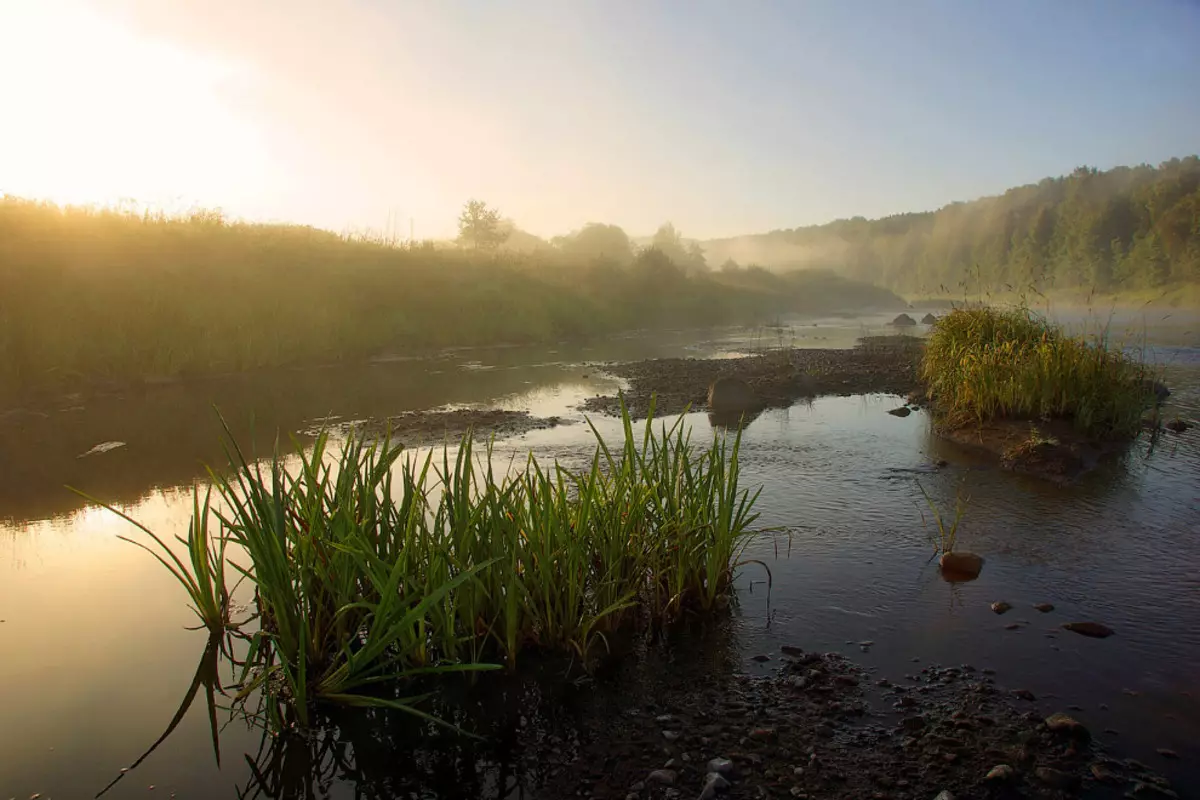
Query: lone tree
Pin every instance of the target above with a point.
(480, 228)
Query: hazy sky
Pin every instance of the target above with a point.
(724, 117)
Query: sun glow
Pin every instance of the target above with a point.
(94, 113)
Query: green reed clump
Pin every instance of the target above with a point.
(203, 574)
(987, 363)
(368, 566)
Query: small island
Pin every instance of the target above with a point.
(1046, 403)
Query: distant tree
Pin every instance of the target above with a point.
(597, 241)
(668, 242)
(656, 269)
(480, 227)
(730, 266)
(695, 261)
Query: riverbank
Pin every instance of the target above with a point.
(820, 726)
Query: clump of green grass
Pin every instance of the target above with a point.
(369, 566)
(947, 526)
(986, 363)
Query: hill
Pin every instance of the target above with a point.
(1124, 229)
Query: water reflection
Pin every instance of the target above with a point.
(95, 655)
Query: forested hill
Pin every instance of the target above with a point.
(1121, 229)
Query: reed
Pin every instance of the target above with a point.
(370, 565)
(986, 363)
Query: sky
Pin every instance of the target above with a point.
(722, 117)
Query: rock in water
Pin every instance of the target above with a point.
(1000, 606)
(961, 566)
(904, 321)
(902, 411)
(1045, 608)
(1178, 425)
(1061, 723)
(929, 319)
(1092, 629)
(731, 395)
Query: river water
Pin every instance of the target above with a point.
(94, 657)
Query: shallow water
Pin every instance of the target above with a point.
(95, 657)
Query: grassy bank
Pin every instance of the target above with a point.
(988, 363)
(88, 295)
(369, 566)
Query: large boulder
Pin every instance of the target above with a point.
(731, 396)
(904, 321)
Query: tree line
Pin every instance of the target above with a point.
(1118, 229)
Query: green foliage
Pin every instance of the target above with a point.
(369, 567)
(1124, 229)
(203, 575)
(87, 295)
(597, 242)
(984, 363)
(480, 227)
(947, 528)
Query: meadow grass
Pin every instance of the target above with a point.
(370, 565)
(986, 363)
(92, 295)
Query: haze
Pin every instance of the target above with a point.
(725, 118)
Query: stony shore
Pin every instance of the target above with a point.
(779, 378)
(821, 727)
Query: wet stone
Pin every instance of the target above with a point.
(661, 777)
(1094, 630)
(1061, 723)
(720, 766)
(1055, 778)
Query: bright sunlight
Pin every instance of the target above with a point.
(104, 115)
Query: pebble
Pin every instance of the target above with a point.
(1000, 606)
(1001, 773)
(1061, 723)
(1056, 779)
(1103, 774)
(714, 783)
(1094, 630)
(720, 766)
(1045, 608)
(762, 734)
(661, 777)
(944, 794)
(670, 736)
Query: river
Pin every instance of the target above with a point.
(94, 657)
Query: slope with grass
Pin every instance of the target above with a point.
(91, 295)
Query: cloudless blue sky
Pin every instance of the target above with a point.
(724, 117)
